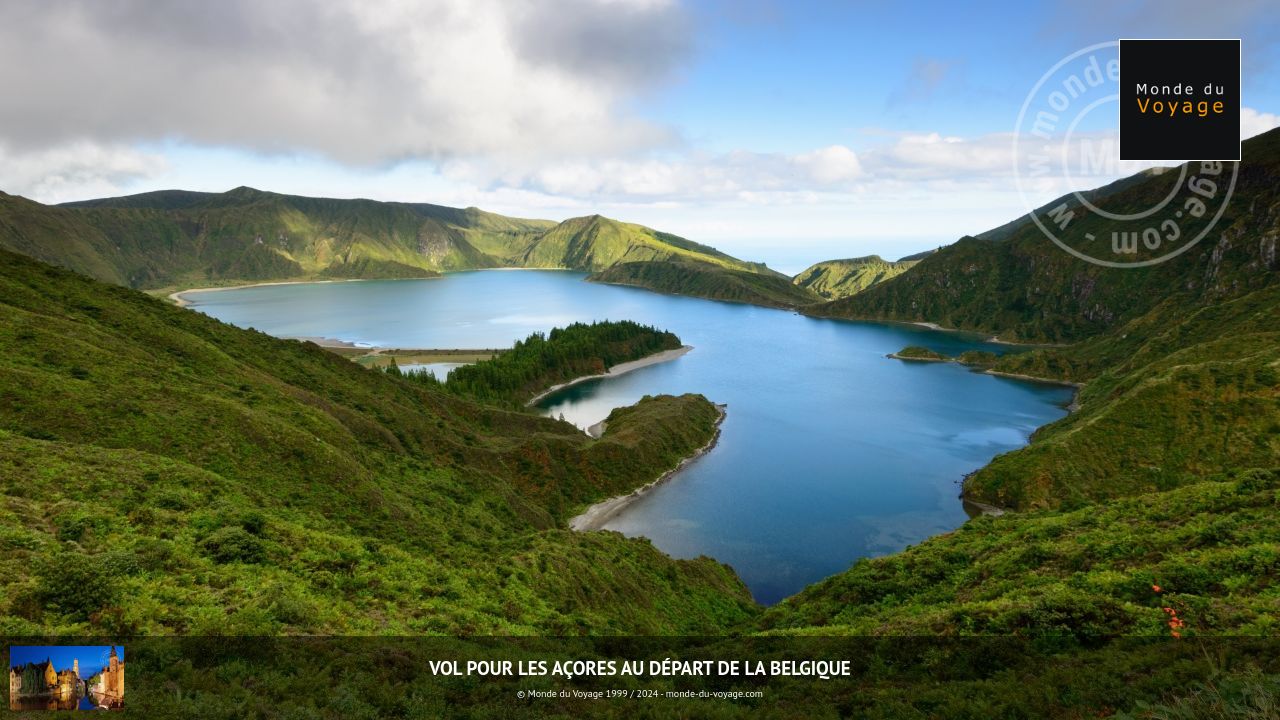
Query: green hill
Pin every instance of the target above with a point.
(179, 238)
(1172, 397)
(1025, 288)
(595, 243)
(832, 279)
(166, 473)
(1179, 360)
(1074, 574)
(712, 281)
(1181, 398)
(1155, 497)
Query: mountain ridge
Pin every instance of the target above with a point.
(179, 238)
(1013, 282)
(833, 279)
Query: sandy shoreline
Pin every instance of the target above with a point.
(1073, 406)
(180, 301)
(327, 342)
(1033, 378)
(616, 370)
(177, 297)
(594, 517)
(906, 358)
(990, 338)
(983, 508)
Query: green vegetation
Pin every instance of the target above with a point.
(1169, 399)
(176, 239)
(834, 279)
(1166, 477)
(542, 360)
(371, 268)
(596, 243)
(1178, 360)
(916, 352)
(705, 280)
(978, 358)
(1087, 574)
(165, 473)
(1014, 283)
(385, 357)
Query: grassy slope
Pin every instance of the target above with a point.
(1179, 360)
(832, 279)
(213, 480)
(1025, 288)
(595, 243)
(178, 238)
(1212, 547)
(1167, 475)
(705, 280)
(1174, 396)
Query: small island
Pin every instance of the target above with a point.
(545, 362)
(919, 354)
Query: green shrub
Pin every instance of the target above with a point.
(153, 554)
(233, 544)
(75, 526)
(74, 584)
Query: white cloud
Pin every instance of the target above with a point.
(691, 177)
(363, 83)
(1253, 122)
(829, 165)
(75, 170)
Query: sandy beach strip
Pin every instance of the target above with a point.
(619, 369)
(983, 508)
(989, 338)
(177, 297)
(327, 342)
(594, 517)
(1033, 378)
(1073, 406)
(908, 358)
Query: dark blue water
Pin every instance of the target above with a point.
(830, 451)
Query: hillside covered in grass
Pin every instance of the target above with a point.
(833, 279)
(1154, 502)
(166, 473)
(1017, 284)
(1180, 361)
(709, 281)
(1209, 546)
(187, 239)
(1169, 399)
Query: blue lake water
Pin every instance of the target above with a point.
(830, 451)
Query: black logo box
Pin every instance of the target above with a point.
(1185, 67)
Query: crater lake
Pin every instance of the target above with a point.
(829, 452)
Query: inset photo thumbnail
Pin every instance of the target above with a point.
(66, 677)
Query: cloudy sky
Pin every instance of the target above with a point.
(781, 131)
